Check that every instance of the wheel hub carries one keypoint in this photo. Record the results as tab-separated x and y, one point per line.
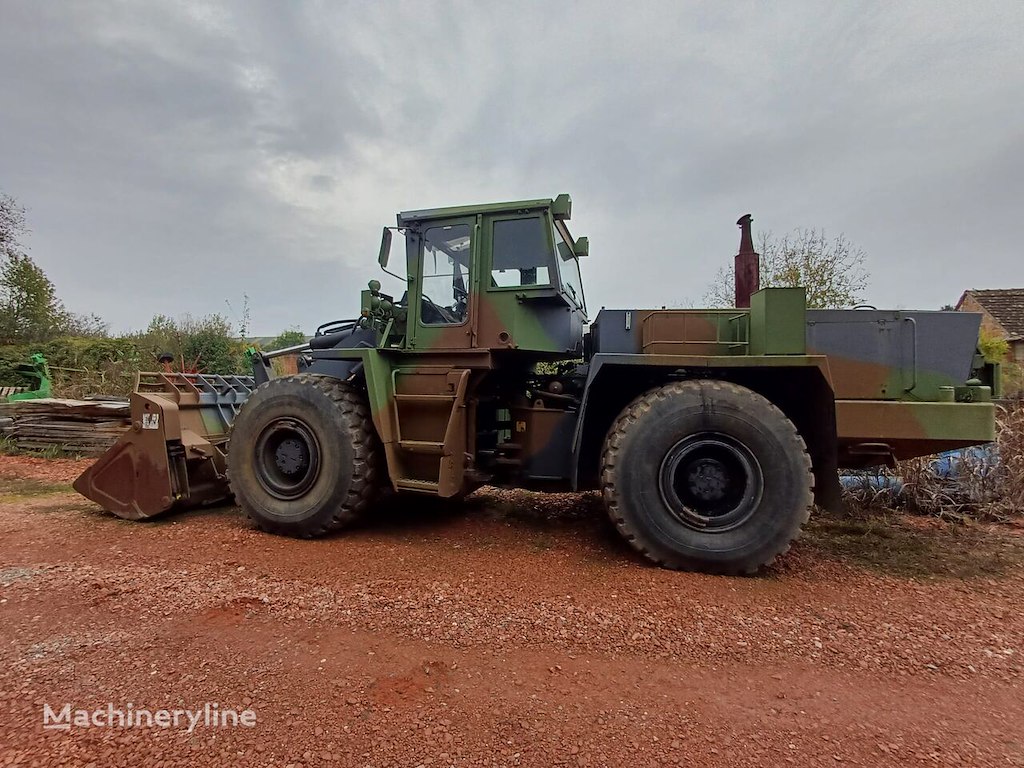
710	482
707	479
291	456
287	458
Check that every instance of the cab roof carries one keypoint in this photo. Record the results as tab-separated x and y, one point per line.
408	217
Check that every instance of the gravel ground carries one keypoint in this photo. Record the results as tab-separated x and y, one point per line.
515	631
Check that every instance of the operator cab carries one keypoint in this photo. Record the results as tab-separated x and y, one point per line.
503	276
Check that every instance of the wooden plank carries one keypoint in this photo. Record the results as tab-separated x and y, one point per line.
88	427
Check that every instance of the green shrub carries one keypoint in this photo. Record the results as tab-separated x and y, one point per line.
204	345
993	348
107	366
289	338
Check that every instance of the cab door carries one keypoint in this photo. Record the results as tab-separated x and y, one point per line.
442	262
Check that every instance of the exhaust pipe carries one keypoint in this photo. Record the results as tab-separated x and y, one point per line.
747	264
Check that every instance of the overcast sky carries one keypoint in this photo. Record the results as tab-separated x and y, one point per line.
175	156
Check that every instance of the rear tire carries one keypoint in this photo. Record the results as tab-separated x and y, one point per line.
706	475
304	458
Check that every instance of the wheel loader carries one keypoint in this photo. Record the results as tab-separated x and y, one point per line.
711	433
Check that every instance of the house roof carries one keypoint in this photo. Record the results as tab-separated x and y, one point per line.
1005	305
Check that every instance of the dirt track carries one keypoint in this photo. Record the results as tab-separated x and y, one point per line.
517	632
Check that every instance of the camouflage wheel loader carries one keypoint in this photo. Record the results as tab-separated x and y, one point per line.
709	432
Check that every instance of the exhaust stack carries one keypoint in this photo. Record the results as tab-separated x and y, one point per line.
747	264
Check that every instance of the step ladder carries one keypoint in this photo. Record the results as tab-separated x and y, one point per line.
451	448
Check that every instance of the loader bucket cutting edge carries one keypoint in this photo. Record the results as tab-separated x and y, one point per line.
173	456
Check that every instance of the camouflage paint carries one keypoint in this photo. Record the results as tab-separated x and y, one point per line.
508	328
450	402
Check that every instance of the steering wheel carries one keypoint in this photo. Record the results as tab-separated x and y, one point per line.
433	314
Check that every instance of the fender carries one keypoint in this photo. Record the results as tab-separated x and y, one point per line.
800	385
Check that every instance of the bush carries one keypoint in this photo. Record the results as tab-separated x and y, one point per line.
107	366
289	338
78	366
993	348
199	345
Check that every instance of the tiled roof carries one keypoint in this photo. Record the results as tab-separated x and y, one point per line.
1006	305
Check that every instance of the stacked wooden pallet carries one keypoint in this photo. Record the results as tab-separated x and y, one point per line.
86	427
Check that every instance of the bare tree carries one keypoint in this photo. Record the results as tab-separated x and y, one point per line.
831	270
12	224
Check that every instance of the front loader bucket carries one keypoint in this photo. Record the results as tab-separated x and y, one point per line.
173	456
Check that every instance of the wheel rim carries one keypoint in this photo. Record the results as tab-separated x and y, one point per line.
711	482
287	458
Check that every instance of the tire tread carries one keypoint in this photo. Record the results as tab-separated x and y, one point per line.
628	419
367	483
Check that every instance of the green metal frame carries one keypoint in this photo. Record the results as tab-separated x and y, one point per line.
37	370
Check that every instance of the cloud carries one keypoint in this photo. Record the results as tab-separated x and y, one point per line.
174	156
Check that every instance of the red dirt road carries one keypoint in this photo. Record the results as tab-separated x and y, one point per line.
516	632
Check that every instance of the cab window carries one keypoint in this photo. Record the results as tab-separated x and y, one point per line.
520	253
446	278
569	270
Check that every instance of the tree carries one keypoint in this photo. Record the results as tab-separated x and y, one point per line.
204	345
29	308
12	224
832	271
89	325
288	338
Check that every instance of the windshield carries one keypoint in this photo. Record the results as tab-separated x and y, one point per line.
569	266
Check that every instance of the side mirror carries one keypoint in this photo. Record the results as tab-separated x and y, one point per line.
385	249
582	246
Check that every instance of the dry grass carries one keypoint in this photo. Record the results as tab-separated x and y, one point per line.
10	447
1011	449
110	378
898	545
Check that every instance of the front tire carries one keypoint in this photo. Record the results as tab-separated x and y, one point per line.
706	475
304	458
